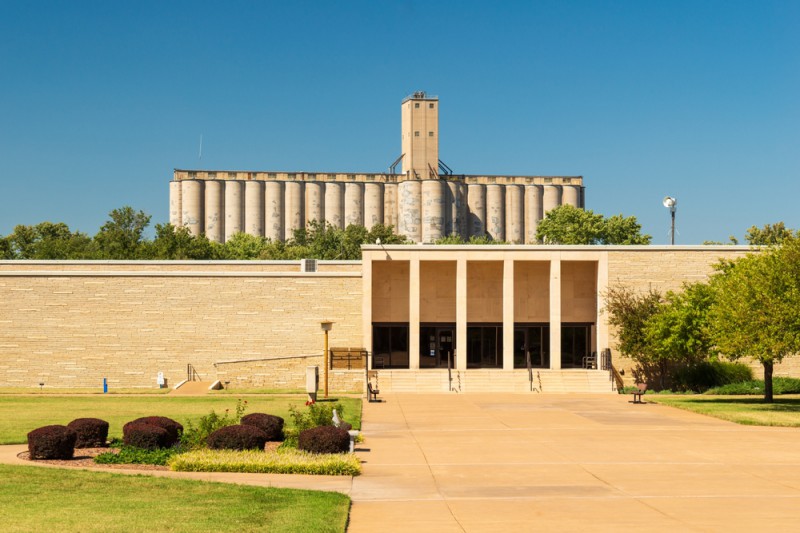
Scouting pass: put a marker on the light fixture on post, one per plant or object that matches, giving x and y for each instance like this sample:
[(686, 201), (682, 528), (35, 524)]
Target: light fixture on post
[(671, 203), (326, 327)]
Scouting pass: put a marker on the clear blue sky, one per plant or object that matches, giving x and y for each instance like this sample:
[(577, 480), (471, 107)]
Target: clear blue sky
[(100, 100)]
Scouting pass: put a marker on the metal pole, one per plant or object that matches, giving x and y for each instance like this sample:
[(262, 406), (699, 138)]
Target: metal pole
[(673, 226), (326, 363)]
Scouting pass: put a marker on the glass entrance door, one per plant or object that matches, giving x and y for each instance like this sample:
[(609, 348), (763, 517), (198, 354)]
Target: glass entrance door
[(437, 344)]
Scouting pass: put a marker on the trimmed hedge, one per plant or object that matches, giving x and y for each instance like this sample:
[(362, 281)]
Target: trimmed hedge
[(270, 424), (712, 373), (324, 439), (238, 437), (146, 436), (52, 442), (92, 432), (173, 428)]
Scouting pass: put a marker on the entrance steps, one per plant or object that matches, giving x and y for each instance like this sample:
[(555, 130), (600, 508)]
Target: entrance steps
[(193, 388), (495, 380)]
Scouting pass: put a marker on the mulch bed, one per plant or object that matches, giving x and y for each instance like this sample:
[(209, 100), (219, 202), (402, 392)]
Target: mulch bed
[(84, 458)]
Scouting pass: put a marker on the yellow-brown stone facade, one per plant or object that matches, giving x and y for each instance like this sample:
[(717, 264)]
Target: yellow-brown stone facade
[(72, 329)]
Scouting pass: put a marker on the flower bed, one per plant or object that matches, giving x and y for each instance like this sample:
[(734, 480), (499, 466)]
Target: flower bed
[(284, 461)]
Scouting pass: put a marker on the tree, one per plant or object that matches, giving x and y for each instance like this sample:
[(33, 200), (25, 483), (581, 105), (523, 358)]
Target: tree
[(769, 235), (474, 239), (48, 240), (179, 243), (569, 225), (679, 331), (122, 236), (5, 248), (755, 308), (629, 312)]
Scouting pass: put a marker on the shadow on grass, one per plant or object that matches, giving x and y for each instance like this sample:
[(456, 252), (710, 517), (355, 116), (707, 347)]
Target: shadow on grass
[(778, 404)]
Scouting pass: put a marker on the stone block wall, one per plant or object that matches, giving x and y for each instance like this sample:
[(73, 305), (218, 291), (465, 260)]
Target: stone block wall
[(71, 324)]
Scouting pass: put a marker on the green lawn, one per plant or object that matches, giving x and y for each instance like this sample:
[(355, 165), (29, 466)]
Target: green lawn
[(47, 499), (749, 410), (20, 414)]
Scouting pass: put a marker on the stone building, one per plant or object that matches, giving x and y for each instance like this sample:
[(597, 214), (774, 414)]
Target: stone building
[(424, 201), (432, 318)]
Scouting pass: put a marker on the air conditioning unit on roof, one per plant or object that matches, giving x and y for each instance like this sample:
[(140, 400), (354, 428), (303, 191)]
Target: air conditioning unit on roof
[(308, 265)]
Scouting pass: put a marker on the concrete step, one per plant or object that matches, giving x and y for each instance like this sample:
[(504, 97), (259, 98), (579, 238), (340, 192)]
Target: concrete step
[(193, 388)]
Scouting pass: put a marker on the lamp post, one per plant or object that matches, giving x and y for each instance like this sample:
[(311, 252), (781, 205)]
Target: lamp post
[(671, 203), (326, 327)]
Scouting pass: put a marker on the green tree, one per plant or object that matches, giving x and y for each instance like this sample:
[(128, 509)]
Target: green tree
[(6, 252), (679, 331), (122, 237), (244, 246), (629, 312), (48, 240), (458, 239), (569, 225), (756, 304), (179, 243), (768, 235)]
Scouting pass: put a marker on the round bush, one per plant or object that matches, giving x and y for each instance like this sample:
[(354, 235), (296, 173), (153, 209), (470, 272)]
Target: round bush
[(52, 442), (239, 437), (92, 432), (324, 439), (173, 428), (145, 436), (270, 424)]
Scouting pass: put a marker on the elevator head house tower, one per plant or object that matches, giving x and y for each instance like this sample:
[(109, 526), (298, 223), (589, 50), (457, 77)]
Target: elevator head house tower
[(425, 201), (420, 136)]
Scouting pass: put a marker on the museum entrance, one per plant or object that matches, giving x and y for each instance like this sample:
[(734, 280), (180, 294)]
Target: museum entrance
[(532, 341), (437, 345)]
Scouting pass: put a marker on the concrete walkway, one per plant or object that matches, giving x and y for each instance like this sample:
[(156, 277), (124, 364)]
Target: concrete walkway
[(514, 462)]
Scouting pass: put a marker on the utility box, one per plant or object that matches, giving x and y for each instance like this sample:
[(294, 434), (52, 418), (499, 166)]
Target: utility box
[(312, 383)]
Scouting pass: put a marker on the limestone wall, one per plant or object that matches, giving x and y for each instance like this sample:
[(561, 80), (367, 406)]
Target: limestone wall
[(287, 373), (71, 325)]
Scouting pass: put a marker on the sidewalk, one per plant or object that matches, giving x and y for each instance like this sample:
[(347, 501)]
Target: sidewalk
[(514, 462)]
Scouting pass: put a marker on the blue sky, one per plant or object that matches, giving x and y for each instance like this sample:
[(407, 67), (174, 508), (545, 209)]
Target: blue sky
[(99, 100)]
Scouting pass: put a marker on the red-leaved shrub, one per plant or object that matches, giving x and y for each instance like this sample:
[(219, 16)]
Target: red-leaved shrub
[(145, 436), (52, 442), (173, 428), (239, 437), (324, 439), (271, 425), (92, 432)]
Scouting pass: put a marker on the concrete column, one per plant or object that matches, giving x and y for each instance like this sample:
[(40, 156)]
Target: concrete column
[(551, 198), (353, 204), (366, 302), (495, 212), (293, 206), (334, 204), (215, 210), (192, 206), (390, 205), (409, 210), (413, 314), (601, 320), (373, 204), (175, 203), (254, 208), (515, 214), (315, 202), (461, 313), (508, 314), (433, 196), (476, 203), (273, 210), (555, 312), (234, 200), (571, 194), (533, 212)]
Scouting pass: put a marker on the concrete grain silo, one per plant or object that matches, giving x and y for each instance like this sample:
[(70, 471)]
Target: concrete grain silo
[(234, 207), (215, 210)]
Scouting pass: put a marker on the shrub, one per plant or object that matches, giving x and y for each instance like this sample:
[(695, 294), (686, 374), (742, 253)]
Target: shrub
[(52, 442), (92, 432), (284, 462), (780, 385), (712, 373), (173, 428), (195, 437), (145, 436), (315, 415), (132, 455), (238, 437), (324, 439), (269, 424)]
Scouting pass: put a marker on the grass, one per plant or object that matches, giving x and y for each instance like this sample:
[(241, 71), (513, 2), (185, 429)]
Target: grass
[(784, 411), (47, 499), (20, 414), (97, 390), (287, 461)]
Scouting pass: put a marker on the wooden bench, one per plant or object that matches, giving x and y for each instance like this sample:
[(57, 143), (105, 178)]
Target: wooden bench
[(637, 394), (372, 394)]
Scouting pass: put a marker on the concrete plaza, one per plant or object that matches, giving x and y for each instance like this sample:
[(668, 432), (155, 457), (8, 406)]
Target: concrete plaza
[(522, 462)]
